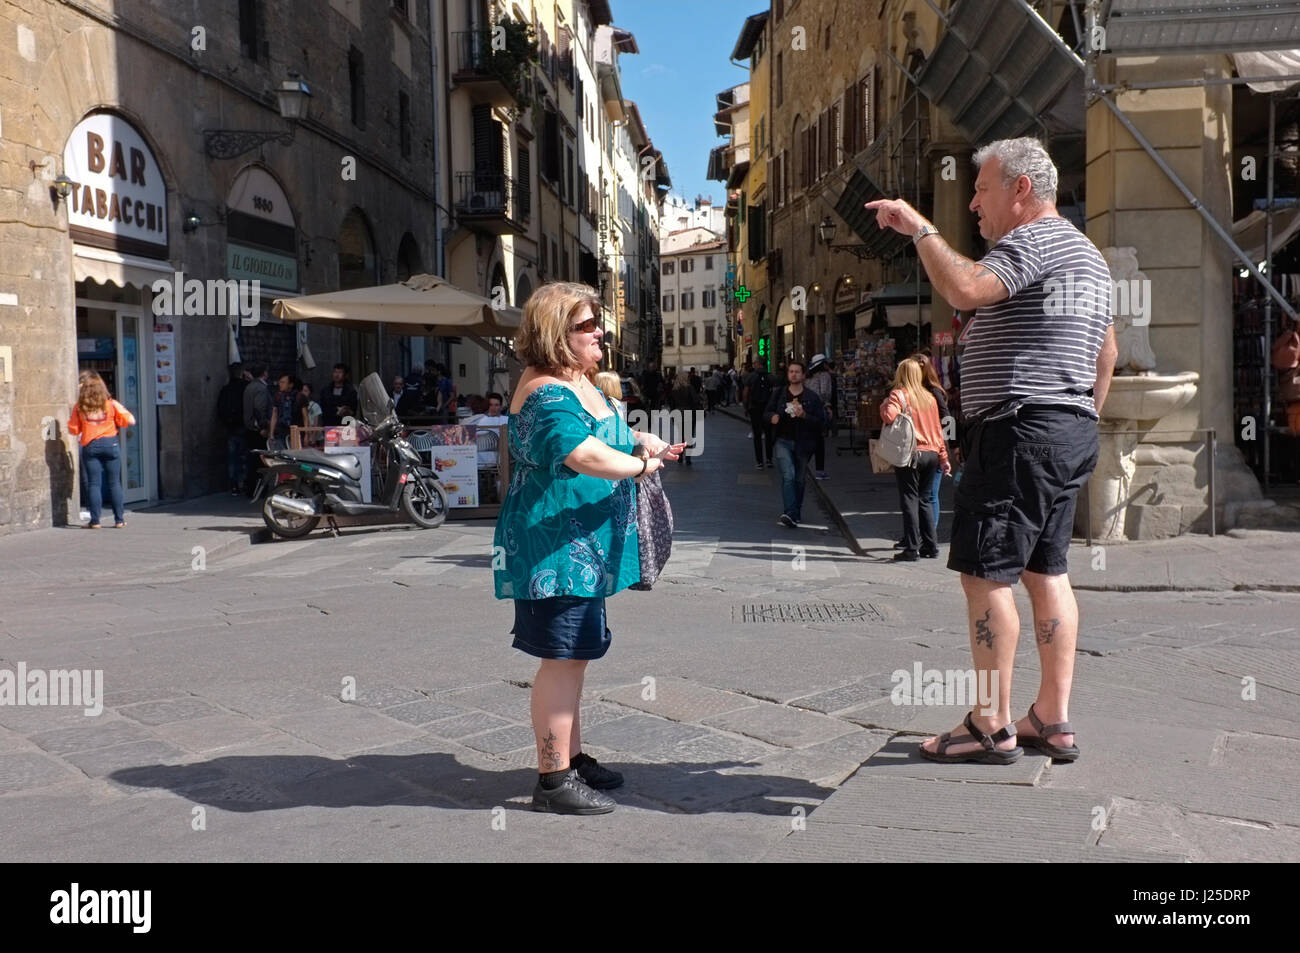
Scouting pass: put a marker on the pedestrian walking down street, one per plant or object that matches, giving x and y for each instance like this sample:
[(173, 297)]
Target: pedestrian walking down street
[(756, 389), (686, 399), (797, 416), (1034, 376), (568, 530), (822, 381), (713, 387), (908, 395), (97, 419), (230, 414)]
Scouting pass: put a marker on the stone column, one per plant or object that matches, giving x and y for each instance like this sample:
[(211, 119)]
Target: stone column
[(1131, 202), (951, 157)]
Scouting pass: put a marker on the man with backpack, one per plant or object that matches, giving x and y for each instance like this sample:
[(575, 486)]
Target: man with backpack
[(230, 414), (757, 388)]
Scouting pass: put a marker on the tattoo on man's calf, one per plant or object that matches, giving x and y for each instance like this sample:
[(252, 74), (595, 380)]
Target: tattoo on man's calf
[(1046, 630), (983, 634)]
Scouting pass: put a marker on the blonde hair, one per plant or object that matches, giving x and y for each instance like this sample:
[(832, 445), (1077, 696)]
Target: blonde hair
[(909, 378), (610, 385), (92, 393), (543, 337)]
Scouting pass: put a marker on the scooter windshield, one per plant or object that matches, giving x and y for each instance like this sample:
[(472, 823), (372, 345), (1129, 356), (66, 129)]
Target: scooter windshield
[(376, 405)]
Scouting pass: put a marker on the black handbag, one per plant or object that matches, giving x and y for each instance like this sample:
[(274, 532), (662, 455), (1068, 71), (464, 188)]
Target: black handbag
[(654, 525)]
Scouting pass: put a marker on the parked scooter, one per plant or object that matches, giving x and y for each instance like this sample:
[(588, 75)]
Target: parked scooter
[(301, 486)]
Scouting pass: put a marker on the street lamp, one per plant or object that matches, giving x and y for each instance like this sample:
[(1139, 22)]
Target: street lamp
[(294, 99), (826, 232)]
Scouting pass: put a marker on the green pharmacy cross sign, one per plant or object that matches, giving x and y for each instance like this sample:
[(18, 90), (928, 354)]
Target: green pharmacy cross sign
[(742, 294)]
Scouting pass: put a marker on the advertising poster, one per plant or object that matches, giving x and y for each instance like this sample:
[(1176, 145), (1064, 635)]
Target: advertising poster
[(164, 351), (454, 457)]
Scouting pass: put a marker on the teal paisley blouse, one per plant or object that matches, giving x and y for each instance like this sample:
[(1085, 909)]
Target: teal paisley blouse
[(561, 533)]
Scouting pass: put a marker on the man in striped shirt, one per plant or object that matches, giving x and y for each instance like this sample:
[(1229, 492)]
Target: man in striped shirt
[(1036, 367)]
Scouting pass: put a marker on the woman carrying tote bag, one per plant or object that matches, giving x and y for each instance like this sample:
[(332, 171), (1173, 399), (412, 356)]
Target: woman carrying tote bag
[(909, 396)]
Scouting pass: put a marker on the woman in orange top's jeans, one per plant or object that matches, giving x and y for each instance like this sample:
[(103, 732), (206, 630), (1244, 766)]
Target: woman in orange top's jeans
[(95, 419), (919, 537)]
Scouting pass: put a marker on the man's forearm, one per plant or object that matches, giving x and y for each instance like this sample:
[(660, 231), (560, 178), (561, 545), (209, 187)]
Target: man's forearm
[(1105, 369), (949, 271)]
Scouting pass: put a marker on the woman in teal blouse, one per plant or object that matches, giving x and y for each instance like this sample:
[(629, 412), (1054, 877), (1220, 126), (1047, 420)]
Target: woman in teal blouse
[(567, 529)]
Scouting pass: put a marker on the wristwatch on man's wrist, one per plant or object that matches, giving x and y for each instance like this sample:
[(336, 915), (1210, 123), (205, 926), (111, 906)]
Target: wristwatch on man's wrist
[(922, 232)]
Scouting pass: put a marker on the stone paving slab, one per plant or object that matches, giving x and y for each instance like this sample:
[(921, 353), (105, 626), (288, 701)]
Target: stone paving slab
[(213, 733), (679, 699), (344, 728), (857, 693), (778, 725), (173, 710), (22, 770), (1203, 838), (499, 698), (384, 696), (655, 738), (503, 739), (423, 712), (102, 762), (462, 726), (92, 733), (267, 699)]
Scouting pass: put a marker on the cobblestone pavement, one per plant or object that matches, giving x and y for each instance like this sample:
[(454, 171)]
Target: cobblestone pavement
[(746, 698)]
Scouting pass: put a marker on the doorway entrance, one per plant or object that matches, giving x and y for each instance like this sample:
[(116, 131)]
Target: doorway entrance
[(112, 340)]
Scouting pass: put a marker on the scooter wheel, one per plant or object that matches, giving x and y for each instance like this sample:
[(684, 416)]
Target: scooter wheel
[(285, 524), (425, 502)]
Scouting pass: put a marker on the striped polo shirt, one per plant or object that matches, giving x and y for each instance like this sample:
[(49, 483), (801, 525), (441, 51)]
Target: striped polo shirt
[(1040, 345)]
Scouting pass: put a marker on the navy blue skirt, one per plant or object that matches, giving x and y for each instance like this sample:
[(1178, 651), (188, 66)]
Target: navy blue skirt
[(562, 627)]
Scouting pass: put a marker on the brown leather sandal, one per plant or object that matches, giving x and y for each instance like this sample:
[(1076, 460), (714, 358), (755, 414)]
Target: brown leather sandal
[(991, 753), (1057, 752)]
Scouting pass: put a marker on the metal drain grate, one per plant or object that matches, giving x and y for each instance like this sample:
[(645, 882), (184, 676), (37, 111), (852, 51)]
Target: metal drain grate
[(807, 612)]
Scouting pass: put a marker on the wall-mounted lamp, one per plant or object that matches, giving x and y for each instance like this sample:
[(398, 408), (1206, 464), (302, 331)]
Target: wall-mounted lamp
[(191, 222), (826, 231), (63, 186), (294, 98)]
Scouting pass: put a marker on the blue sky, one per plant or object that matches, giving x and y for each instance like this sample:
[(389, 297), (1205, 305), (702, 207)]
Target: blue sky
[(683, 64)]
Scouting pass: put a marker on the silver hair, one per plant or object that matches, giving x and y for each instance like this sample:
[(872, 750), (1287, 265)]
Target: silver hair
[(1023, 156)]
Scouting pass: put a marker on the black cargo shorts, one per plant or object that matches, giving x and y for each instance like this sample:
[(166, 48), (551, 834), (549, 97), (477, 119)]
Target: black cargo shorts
[(1014, 505)]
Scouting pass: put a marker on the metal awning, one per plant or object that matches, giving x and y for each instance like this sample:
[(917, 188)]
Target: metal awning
[(880, 242), (1000, 71), (1202, 26)]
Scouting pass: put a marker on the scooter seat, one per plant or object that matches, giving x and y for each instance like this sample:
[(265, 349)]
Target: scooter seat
[(348, 463)]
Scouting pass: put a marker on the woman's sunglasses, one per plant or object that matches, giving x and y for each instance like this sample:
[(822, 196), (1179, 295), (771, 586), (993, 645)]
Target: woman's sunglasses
[(584, 326)]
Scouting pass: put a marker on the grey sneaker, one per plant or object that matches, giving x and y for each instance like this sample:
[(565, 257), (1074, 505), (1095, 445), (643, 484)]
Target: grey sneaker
[(572, 797), (787, 521)]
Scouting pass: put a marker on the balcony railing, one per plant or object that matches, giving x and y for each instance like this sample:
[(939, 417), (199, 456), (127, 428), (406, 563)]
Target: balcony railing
[(490, 198), (477, 65)]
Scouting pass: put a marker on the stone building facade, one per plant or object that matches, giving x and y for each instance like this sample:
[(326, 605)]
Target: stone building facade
[(117, 98)]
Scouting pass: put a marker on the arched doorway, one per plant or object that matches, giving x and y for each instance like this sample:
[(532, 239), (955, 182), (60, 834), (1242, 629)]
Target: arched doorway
[(408, 258), (358, 268)]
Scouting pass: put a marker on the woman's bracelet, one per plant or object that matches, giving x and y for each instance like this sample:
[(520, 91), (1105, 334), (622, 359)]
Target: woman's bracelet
[(645, 462)]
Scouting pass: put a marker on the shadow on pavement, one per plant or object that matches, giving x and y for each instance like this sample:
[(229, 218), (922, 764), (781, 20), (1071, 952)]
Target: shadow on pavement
[(438, 779)]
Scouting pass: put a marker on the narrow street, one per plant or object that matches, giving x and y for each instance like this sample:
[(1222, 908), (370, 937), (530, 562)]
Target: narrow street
[(746, 699)]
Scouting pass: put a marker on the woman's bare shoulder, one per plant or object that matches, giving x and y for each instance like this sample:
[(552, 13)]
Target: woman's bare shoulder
[(532, 381)]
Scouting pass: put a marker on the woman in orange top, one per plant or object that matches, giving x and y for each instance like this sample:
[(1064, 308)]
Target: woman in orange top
[(910, 395), (95, 419)]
